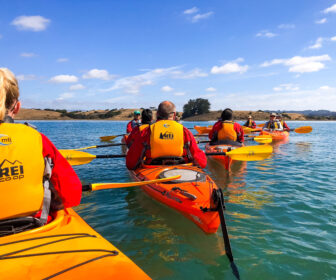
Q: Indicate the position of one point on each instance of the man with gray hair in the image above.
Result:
(165, 141)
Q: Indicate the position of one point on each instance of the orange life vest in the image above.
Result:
(227, 131)
(142, 127)
(21, 171)
(166, 139)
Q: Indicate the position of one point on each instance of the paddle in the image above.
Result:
(78, 157)
(261, 125)
(110, 137)
(105, 186)
(249, 129)
(100, 146)
(303, 129)
(250, 153)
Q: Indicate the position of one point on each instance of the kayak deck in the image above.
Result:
(66, 248)
(276, 135)
(188, 197)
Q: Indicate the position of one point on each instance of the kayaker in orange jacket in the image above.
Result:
(226, 131)
(146, 120)
(165, 141)
(283, 123)
(33, 174)
(250, 123)
(134, 123)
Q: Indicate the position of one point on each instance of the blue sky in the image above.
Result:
(103, 54)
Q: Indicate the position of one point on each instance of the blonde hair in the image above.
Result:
(9, 91)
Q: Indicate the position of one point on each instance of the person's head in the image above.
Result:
(136, 115)
(9, 94)
(166, 111)
(272, 116)
(279, 117)
(250, 117)
(227, 115)
(146, 116)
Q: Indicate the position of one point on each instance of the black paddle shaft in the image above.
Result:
(216, 154)
(110, 156)
(110, 145)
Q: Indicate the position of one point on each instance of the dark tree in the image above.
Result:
(196, 107)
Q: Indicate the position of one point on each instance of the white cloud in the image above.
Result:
(333, 38)
(321, 21)
(192, 74)
(331, 9)
(191, 11)
(230, 67)
(198, 17)
(27, 54)
(64, 79)
(29, 77)
(77, 87)
(167, 89)
(133, 84)
(286, 87)
(31, 23)
(100, 74)
(314, 99)
(286, 26)
(210, 89)
(318, 44)
(65, 95)
(60, 60)
(208, 95)
(265, 33)
(179, 93)
(301, 64)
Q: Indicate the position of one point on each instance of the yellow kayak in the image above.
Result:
(66, 248)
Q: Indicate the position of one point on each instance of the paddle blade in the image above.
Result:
(104, 186)
(303, 129)
(261, 125)
(251, 153)
(77, 157)
(107, 138)
(263, 139)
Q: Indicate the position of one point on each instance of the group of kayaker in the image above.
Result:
(275, 122)
(35, 179)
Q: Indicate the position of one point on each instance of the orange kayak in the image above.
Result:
(276, 135)
(190, 195)
(66, 248)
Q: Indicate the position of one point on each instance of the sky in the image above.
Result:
(105, 54)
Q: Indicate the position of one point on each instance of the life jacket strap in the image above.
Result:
(47, 190)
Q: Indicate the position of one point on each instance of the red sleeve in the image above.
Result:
(129, 127)
(197, 154)
(63, 178)
(285, 127)
(132, 136)
(134, 153)
(240, 132)
(216, 127)
(254, 125)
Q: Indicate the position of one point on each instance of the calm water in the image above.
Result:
(281, 212)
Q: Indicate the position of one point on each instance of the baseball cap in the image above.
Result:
(136, 112)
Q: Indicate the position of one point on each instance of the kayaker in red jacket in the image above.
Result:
(226, 131)
(32, 171)
(283, 123)
(165, 141)
(250, 123)
(146, 120)
(134, 123)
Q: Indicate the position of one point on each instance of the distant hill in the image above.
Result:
(317, 114)
(243, 115)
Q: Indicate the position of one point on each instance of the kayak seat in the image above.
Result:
(167, 161)
(16, 225)
(187, 175)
